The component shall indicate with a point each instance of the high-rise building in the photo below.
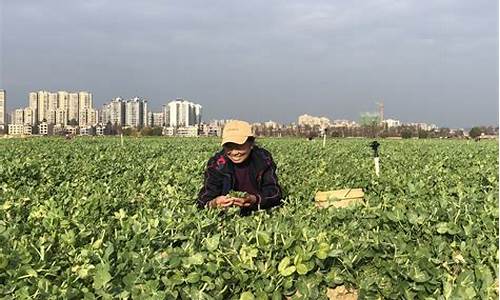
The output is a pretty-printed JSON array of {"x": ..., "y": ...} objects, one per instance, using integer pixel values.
[
  {"x": 155, "y": 119},
  {"x": 29, "y": 116},
  {"x": 43, "y": 105},
  {"x": 115, "y": 112},
  {"x": 63, "y": 99},
  {"x": 3, "y": 109},
  {"x": 180, "y": 113},
  {"x": 61, "y": 117},
  {"x": 33, "y": 105},
  {"x": 53, "y": 101},
  {"x": 136, "y": 112},
  {"x": 197, "y": 113},
  {"x": 84, "y": 102},
  {"x": 87, "y": 117},
  {"x": 52, "y": 107},
  {"x": 73, "y": 113},
  {"x": 18, "y": 117},
  {"x": 166, "y": 115}
]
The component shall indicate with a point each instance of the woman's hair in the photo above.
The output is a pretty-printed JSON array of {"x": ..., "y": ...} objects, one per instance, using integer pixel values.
[{"x": 251, "y": 139}]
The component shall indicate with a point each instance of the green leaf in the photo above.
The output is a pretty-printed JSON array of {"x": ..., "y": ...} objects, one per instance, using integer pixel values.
[
  {"x": 247, "y": 296},
  {"x": 263, "y": 238},
  {"x": 288, "y": 271},
  {"x": 442, "y": 227},
  {"x": 212, "y": 268},
  {"x": 193, "y": 277},
  {"x": 418, "y": 275},
  {"x": 284, "y": 263},
  {"x": 101, "y": 276},
  {"x": 196, "y": 259},
  {"x": 212, "y": 243},
  {"x": 302, "y": 269}
]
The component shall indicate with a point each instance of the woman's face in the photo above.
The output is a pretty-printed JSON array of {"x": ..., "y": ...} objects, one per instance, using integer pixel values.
[{"x": 238, "y": 153}]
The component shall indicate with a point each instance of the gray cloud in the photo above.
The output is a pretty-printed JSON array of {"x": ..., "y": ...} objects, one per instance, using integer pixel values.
[{"x": 434, "y": 61}]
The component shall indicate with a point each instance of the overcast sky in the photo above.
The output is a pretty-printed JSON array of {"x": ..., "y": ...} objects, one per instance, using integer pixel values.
[{"x": 431, "y": 61}]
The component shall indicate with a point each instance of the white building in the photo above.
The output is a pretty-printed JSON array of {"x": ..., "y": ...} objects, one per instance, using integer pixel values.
[
  {"x": 73, "y": 106},
  {"x": 155, "y": 119},
  {"x": 88, "y": 117},
  {"x": 136, "y": 112},
  {"x": 99, "y": 130},
  {"x": 43, "y": 105},
  {"x": 307, "y": 120},
  {"x": 29, "y": 116},
  {"x": 168, "y": 131},
  {"x": 63, "y": 99},
  {"x": 85, "y": 130},
  {"x": 53, "y": 103},
  {"x": 71, "y": 130},
  {"x": 16, "y": 129},
  {"x": 84, "y": 100},
  {"x": 182, "y": 113},
  {"x": 344, "y": 123},
  {"x": 18, "y": 118},
  {"x": 3, "y": 111},
  {"x": 392, "y": 123},
  {"x": 20, "y": 129},
  {"x": 187, "y": 131},
  {"x": 114, "y": 112},
  {"x": 272, "y": 125},
  {"x": 61, "y": 116},
  {"x": 211, "y": 129},
  {"x": 33, "y": 106},
  {"x": 45, "y": 128},
  {"x": 423, "y": 126}
]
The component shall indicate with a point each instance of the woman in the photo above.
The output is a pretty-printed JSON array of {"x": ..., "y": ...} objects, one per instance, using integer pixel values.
[{"x": 240, "y": 166}]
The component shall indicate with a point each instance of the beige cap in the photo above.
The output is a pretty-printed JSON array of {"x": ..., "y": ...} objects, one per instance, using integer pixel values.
[{"x": 236, "y": 132}]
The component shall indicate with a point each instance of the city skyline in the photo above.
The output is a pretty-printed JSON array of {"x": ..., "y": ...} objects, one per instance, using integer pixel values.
[
  {"x": 428, "y": 62},
  {"x": 164, "y": 110}
]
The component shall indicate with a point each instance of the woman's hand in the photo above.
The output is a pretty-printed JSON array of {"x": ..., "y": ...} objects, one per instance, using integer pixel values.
[
  {"x": 221, "y": 201},
  {"x": 246, "y": 201}
]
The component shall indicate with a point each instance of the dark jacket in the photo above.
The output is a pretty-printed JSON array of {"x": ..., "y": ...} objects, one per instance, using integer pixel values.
[{"x": 220, "y": 179}]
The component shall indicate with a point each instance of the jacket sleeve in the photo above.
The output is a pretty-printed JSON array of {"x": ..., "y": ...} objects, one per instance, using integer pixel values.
[
  {"x": 270, "y": 193},
  {"x": 212, "y": 186}
]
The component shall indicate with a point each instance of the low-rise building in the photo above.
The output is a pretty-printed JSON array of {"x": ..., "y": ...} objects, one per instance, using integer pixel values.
[
  {"x": 168, "y": 131},
  {"x": 187, "y": 131},
  {"x": 27, "y": 129},
  {"x": 86, "y": 130},
  {"x": 58, "y": 129},
  {"x": 15, "y": 129},
  {"x": 71, "y": 130},
  {"x": 307, "y": 120},
  {"x": 344, "y": 123},
  {"x": 211, "y": 129},
  {"x": 99, "y": 129},
  {"x": 45, "y": 128},
  {"x": 392, "y": 123}
]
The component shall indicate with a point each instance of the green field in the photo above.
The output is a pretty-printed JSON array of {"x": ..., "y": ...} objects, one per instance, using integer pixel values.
[{"x": 90, "y": 218}]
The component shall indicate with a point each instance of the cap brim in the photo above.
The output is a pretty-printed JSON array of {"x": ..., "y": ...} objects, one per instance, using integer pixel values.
[{"x": 234, "y": 139}]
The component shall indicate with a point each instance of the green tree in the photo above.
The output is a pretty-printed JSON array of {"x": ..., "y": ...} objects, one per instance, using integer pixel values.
[
  {"x": 156, "y": 131},
  {"x": 370, "y": 124},
  {"x": 422, "y": 134},
  {"x": 146, "y": 131},
  {"x": 406, "y": 133},
  {"x": 475, "y": 132}
]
